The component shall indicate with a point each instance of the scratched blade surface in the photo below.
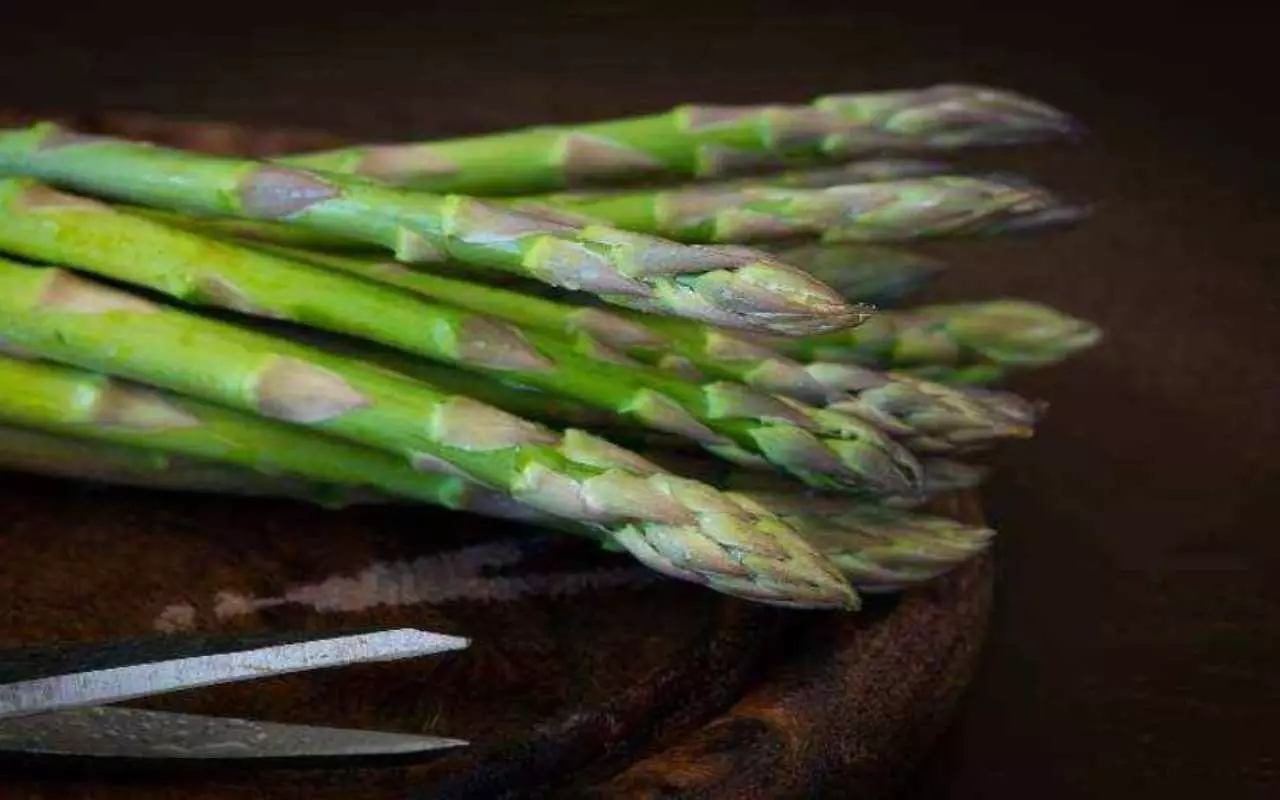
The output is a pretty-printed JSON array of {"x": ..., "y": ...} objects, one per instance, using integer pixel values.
[
  {"x": 138, "y": 733},
  {"x": 88, "y": 675}
]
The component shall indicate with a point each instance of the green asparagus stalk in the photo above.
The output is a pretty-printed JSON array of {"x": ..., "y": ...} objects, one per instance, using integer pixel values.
[
  {"x": 50, "y": 455},
  {"x": 73, "y": 402},
  {"x": 676, "y": 526},
  {"x": 929, "y": 418},
  {"x": 734, "y": 288},
  {"x": 1007, "y": 334},
  {"x": 256, "y": 230},
  {"x": 876, "y": 169},
  {"x": 826, "y": 449},
  {"x": 868, "y": 171},
  {"x": 698, "y": 141},
  {"x": 903, "y": 210},
  {"x": 871, "y": 545},
  {"x": 861, "y": 273}
]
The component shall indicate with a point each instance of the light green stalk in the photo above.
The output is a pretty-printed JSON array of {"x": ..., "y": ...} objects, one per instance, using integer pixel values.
[
  {"x": 902, "y": 210},
  {"x": 875, "y": 169},
  {"x": 736, "y": 288},
  {"x": 256, "y": 230},
  {"x": 676, "y": 526},
  {"x": 77, "y": 403},
  {"x": 50, "y": 455},
  {"x": 700, "y": 141}
]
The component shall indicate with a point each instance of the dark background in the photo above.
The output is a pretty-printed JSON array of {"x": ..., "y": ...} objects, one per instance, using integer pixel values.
[{"x": 1134, "y": 642}]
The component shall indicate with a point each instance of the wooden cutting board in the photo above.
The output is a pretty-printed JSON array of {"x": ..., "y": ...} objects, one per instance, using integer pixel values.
[{"x": 588, "y": 676}]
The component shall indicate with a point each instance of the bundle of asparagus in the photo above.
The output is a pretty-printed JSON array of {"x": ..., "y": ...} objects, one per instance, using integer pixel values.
[{"x": 695, "y": 373}]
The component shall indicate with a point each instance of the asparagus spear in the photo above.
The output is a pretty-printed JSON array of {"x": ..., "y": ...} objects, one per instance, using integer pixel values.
[
  {"x": 704, "y": 141},
  {"x": 861, "y": 273},
  {"x": 871, "y": 545},
  {"x": 256, "y": 230},
  {"x": 876, "y": 169},
  {"x": 77, "y": 403},
  {"x": 826, "y": 449},
  {"x": 51, "y": 455},
  {"x": 928, "y": 417},
  {"x": 1001, "y": 333},
  {"x": 738, "y": 288},
  {"x": 886, "y": 211},
  {"x": 674, "y": 525}
]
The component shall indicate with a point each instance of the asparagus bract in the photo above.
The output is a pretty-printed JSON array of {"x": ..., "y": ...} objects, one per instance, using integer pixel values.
[
  {"x": 698, "y": 141},
  {"x": 737, "y": 288},
  {"x": 678, "y": 526}
]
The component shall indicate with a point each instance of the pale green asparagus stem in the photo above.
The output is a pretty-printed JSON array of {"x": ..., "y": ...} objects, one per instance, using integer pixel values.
[
  {"x": 697, "y": 141},
  {"x": 736, "y": 288},
  {"x": 257, "y": 230},
  {"x": 730, "y": 419},
  {"x": 51, "y": 455},
  {"x": 901, "y": 210},
  {"x": 77, "y": 403},
  {"x": 875, "y": 169},
  {"x": 679, "y": 527}
]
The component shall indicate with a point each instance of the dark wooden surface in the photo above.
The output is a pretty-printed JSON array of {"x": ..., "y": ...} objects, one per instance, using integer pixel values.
[{"x": 1134, "y": 644}]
